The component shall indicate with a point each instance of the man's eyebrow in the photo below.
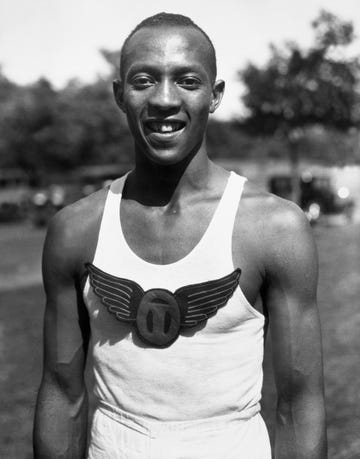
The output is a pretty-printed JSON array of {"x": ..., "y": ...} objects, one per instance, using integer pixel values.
[{"x": 154, "y": 69}]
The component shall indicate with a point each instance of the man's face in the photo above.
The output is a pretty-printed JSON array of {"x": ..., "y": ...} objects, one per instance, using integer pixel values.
[{"x": 168, "y": 91}]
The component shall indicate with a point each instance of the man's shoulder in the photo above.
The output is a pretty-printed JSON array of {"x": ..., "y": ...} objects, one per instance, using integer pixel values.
[
  {"x": 271, "y": 211},
  {"x": 73, "y": 231},
  {"x": 80, "y": 215},
  {"x": 272, "y": 230},
  {"x": 269, "y": 222}
]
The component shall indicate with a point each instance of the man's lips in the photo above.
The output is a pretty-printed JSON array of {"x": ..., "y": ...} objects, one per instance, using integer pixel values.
[{"x": 164, "y": 127}]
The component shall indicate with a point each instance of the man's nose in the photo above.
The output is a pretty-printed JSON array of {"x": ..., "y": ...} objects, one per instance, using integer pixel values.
[{"x": 165, "y": 97}]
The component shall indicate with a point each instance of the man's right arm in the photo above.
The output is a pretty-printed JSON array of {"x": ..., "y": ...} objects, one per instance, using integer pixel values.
[{"x": 61, "y": 410}]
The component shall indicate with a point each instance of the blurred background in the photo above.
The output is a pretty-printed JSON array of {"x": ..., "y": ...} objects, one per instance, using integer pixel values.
[{"x": 289, "y": 121}]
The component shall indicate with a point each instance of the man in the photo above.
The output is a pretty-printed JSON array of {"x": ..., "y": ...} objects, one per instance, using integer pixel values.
[{"x": 169, "y": 279}]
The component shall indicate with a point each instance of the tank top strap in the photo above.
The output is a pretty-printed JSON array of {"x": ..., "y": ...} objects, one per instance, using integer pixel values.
[
  {"x": 111, "y": 216},
  {"x": 222, "y": 225},
  {"x": 117, "y": 185},
  {"x": 112, "y": 204}
]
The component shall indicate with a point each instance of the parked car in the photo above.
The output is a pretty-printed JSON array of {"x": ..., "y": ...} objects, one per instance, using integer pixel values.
[
  {"x": 92, "y": 178},
  {"x": 48, "y": 200},
  {"x": 14, "y": 193},
  {"x": 45, "y": 202},
  {"x": 318, "y": 195}
]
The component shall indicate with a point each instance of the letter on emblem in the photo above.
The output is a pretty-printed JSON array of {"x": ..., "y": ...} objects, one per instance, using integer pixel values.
[{"x": 158, "y": 318}]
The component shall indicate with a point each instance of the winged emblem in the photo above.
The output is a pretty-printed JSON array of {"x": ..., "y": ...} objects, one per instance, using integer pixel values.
[{"x": 158, "y": 314}]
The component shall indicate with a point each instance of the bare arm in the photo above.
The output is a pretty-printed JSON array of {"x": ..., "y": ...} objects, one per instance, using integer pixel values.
[
  {"x": 61, "y": 410},
  {"x": 290, "y": 298}
]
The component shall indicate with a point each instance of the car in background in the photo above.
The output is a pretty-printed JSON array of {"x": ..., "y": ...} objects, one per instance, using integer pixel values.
[
  {"x": 318, "y": 195},
  {"x": 14, "y": 194},
  {"x": 46, "y": 201},
  {"x": 92, "y": 178}
]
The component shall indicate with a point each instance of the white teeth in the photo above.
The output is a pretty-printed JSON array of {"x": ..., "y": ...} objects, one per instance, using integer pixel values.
[
  {"x": 164, "y": 128},
  {"x": 167, "y": 127}
]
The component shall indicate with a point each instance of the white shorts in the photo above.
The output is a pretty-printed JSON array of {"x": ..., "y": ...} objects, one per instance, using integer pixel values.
[{"x": 116, "y": 434}]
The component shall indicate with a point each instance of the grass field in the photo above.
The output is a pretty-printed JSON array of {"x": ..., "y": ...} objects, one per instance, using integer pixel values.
[{"x": 21, "y": 309}]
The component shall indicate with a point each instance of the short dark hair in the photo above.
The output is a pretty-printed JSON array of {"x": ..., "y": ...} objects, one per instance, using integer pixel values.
[{"x": 170, "y": 20}]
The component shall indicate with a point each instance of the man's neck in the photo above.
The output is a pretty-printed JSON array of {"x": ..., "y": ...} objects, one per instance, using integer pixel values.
[{"x": 152, "y": 184}]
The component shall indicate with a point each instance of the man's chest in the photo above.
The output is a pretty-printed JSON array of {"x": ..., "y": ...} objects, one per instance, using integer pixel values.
[{"x": 166, "y": 237}]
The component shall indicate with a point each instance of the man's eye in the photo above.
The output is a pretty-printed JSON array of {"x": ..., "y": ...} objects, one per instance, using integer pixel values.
[
  {"x": 142, "y": 82},
  {"x": 189, "y": 82}
]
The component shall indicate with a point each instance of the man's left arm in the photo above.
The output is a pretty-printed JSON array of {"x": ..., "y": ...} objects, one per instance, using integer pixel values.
[{"x": 290, "y": 299}]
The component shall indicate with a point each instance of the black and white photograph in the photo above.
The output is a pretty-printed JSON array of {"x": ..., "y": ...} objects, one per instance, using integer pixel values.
[{"x": 179, "y": 229}]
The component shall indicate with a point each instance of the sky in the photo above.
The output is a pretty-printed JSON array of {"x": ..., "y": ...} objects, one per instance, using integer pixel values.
[{"x": 61, "y": 39}]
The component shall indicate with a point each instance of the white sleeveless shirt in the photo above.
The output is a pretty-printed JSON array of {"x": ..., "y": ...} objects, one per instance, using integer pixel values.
[{"x": 210, "y": 370}]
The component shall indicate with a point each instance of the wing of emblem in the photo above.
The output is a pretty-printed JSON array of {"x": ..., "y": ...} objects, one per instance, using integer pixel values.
[
  {"x": 198, "y": 302},
  {"x": 120, "y": 296}
]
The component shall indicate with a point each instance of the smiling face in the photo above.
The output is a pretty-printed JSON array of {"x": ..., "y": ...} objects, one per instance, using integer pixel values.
[{"x": 167, "y": 91}]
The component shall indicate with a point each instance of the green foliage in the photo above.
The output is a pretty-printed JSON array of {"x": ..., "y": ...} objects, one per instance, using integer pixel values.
[
  {"x": 96, "y": 129},
  {"x": 298, "y": 88},
  {"x": 47, "y": 130},
  {"x": 225, "y": 140},
  {"x": 44, "y": 130},
  {"x": 332, "y": 31}
]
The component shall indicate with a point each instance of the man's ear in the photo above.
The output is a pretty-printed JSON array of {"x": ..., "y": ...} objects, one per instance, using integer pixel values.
[
  {"x": 118, "y": 89},
  {"x": 217, "y": 95}
]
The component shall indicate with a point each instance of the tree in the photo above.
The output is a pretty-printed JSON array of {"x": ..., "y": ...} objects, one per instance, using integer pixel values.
[
  {"x": 95, "y": 127},
  {"x": 301, "y": 88},
  {"x": 27, "y": 114},
  {"x": 44, "y": 130}
]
